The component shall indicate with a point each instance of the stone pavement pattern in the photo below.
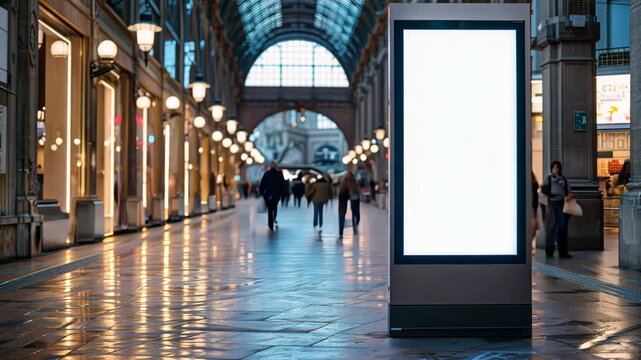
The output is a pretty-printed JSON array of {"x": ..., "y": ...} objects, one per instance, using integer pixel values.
[{"x": 233, "y": 290}]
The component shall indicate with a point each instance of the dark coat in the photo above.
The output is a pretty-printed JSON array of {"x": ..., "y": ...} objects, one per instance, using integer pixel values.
[
  {"x": 272, "y": 185},
  {"x": 298, "y": 188}
]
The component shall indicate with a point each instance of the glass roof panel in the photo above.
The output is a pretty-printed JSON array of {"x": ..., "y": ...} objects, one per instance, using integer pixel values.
[
  {"x": 259, "y": 18},
  {"x": 338, "y": 19},
  {"x": 297, "y": 63}
]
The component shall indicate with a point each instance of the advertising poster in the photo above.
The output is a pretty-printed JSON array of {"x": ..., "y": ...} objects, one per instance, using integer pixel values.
[
  {"x": 436, "y": 62},
  {"x": 613, "y": 99}
]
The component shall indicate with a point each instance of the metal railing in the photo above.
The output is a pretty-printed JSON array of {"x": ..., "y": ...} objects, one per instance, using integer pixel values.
[{"x": 613, "y": 57}]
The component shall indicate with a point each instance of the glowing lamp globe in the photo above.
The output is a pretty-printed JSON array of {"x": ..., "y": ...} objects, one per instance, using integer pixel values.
[
  {"x": 217, "y": 135},
  {"x": 217, "y": 110},
  {"x": 199, "y": 122},
  {"x": 365, "y": 143},
  {"x": 59, "y": 49},
  {"x": 172, "y": 103},
  {"x": 143, "y": 102},
  {"x": 199, "y": 88},
  {"x": 107, "y": 50},
  {"x": 145, "y": 31}
]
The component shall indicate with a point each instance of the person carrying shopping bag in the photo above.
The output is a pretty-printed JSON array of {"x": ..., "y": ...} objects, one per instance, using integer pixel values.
[{"x": 557, "y": 190}]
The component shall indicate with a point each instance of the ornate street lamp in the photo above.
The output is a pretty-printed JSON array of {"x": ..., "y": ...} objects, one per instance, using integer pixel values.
[
  {"x": 217, "y": 109},
  {"x": 146, "y": 31},
  {"x": 199, "y": 87},
  {"x": 379, "y": 133},
  {"x": 232, "y": 124},
  {"x": 241, "y": 134},
  {"x": 365, "y": 143}
]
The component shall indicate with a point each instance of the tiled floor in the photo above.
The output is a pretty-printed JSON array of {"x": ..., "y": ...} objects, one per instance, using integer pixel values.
[{"x": 229, "y": 289}]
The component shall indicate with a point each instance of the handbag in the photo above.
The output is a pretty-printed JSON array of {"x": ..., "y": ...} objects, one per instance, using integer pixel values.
[
  {"x": 543, "y": 199},
  {"x": 571, "y": 207}
]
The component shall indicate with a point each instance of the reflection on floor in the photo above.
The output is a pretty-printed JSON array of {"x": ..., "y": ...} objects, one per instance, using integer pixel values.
[{"x": 224, "y": 287}]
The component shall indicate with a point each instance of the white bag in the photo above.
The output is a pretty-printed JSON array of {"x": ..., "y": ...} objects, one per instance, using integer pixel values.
[
  {"x": 543, "y": 199},
  {"x": 572, "y": 208}
]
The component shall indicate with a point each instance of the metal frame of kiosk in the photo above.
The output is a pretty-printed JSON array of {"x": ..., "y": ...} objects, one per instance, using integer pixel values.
[{"x": 459, "y": 294}]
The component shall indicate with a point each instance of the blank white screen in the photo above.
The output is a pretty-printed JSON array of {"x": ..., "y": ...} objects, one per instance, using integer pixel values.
[{"x": 460, "y": 142}]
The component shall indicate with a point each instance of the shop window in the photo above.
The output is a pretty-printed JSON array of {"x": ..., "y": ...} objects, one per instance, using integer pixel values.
[{"x": 60, "y": 159}]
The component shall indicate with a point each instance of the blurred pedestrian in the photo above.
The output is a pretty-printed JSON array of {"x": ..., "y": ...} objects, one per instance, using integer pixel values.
[
  {"x": 284, "y": 197},
  {"x": 557, "y": 189},
  {"x": 319, "y": 193},
  {"x": 348, "y": 191},
  {"x": 624, "y": 174},
  {"x": 271, "y": 188},
  {"x": 298, "y": 189}
]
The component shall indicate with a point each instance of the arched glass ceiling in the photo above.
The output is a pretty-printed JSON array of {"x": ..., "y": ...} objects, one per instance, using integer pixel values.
[
  {"x": 341, "y": 26},
  {"x": 297, "y": 63},
  {"x": 338, "y": 18},
  {"x": 259, "y": 19}
]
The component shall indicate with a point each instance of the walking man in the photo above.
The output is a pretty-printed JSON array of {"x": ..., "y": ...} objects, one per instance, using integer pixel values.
[{"x": 271, "y": 188}]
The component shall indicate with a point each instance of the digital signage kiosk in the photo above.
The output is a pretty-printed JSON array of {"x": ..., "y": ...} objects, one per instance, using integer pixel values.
[{"x": 460, "y": 162}]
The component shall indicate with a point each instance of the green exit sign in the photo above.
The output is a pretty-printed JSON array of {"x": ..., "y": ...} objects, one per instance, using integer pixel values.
[{"x": 580, "y": 121}]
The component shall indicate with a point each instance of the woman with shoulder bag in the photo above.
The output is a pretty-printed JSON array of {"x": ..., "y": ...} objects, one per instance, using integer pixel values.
[{"x": 557, "y": 190}]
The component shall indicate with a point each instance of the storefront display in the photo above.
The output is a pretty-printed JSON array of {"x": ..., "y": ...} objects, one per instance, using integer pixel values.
[
  {"x": 613, "y": 99},
  {"x": 613, "y": 140},
  {"x": 61, "y": 159}
]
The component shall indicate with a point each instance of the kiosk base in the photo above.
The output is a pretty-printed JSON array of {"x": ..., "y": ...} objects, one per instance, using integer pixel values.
[{"x": 460, "y": 320}]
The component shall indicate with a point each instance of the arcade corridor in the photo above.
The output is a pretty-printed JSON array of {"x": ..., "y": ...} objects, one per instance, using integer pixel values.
[{"x": 221, "y": 286}]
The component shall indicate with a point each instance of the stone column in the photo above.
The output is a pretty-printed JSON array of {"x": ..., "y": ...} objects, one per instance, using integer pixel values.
[
  {"x": 566, "y": 38},
  {"x": 630, "y": 218},
  {"x": 28, "y": 239}
]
